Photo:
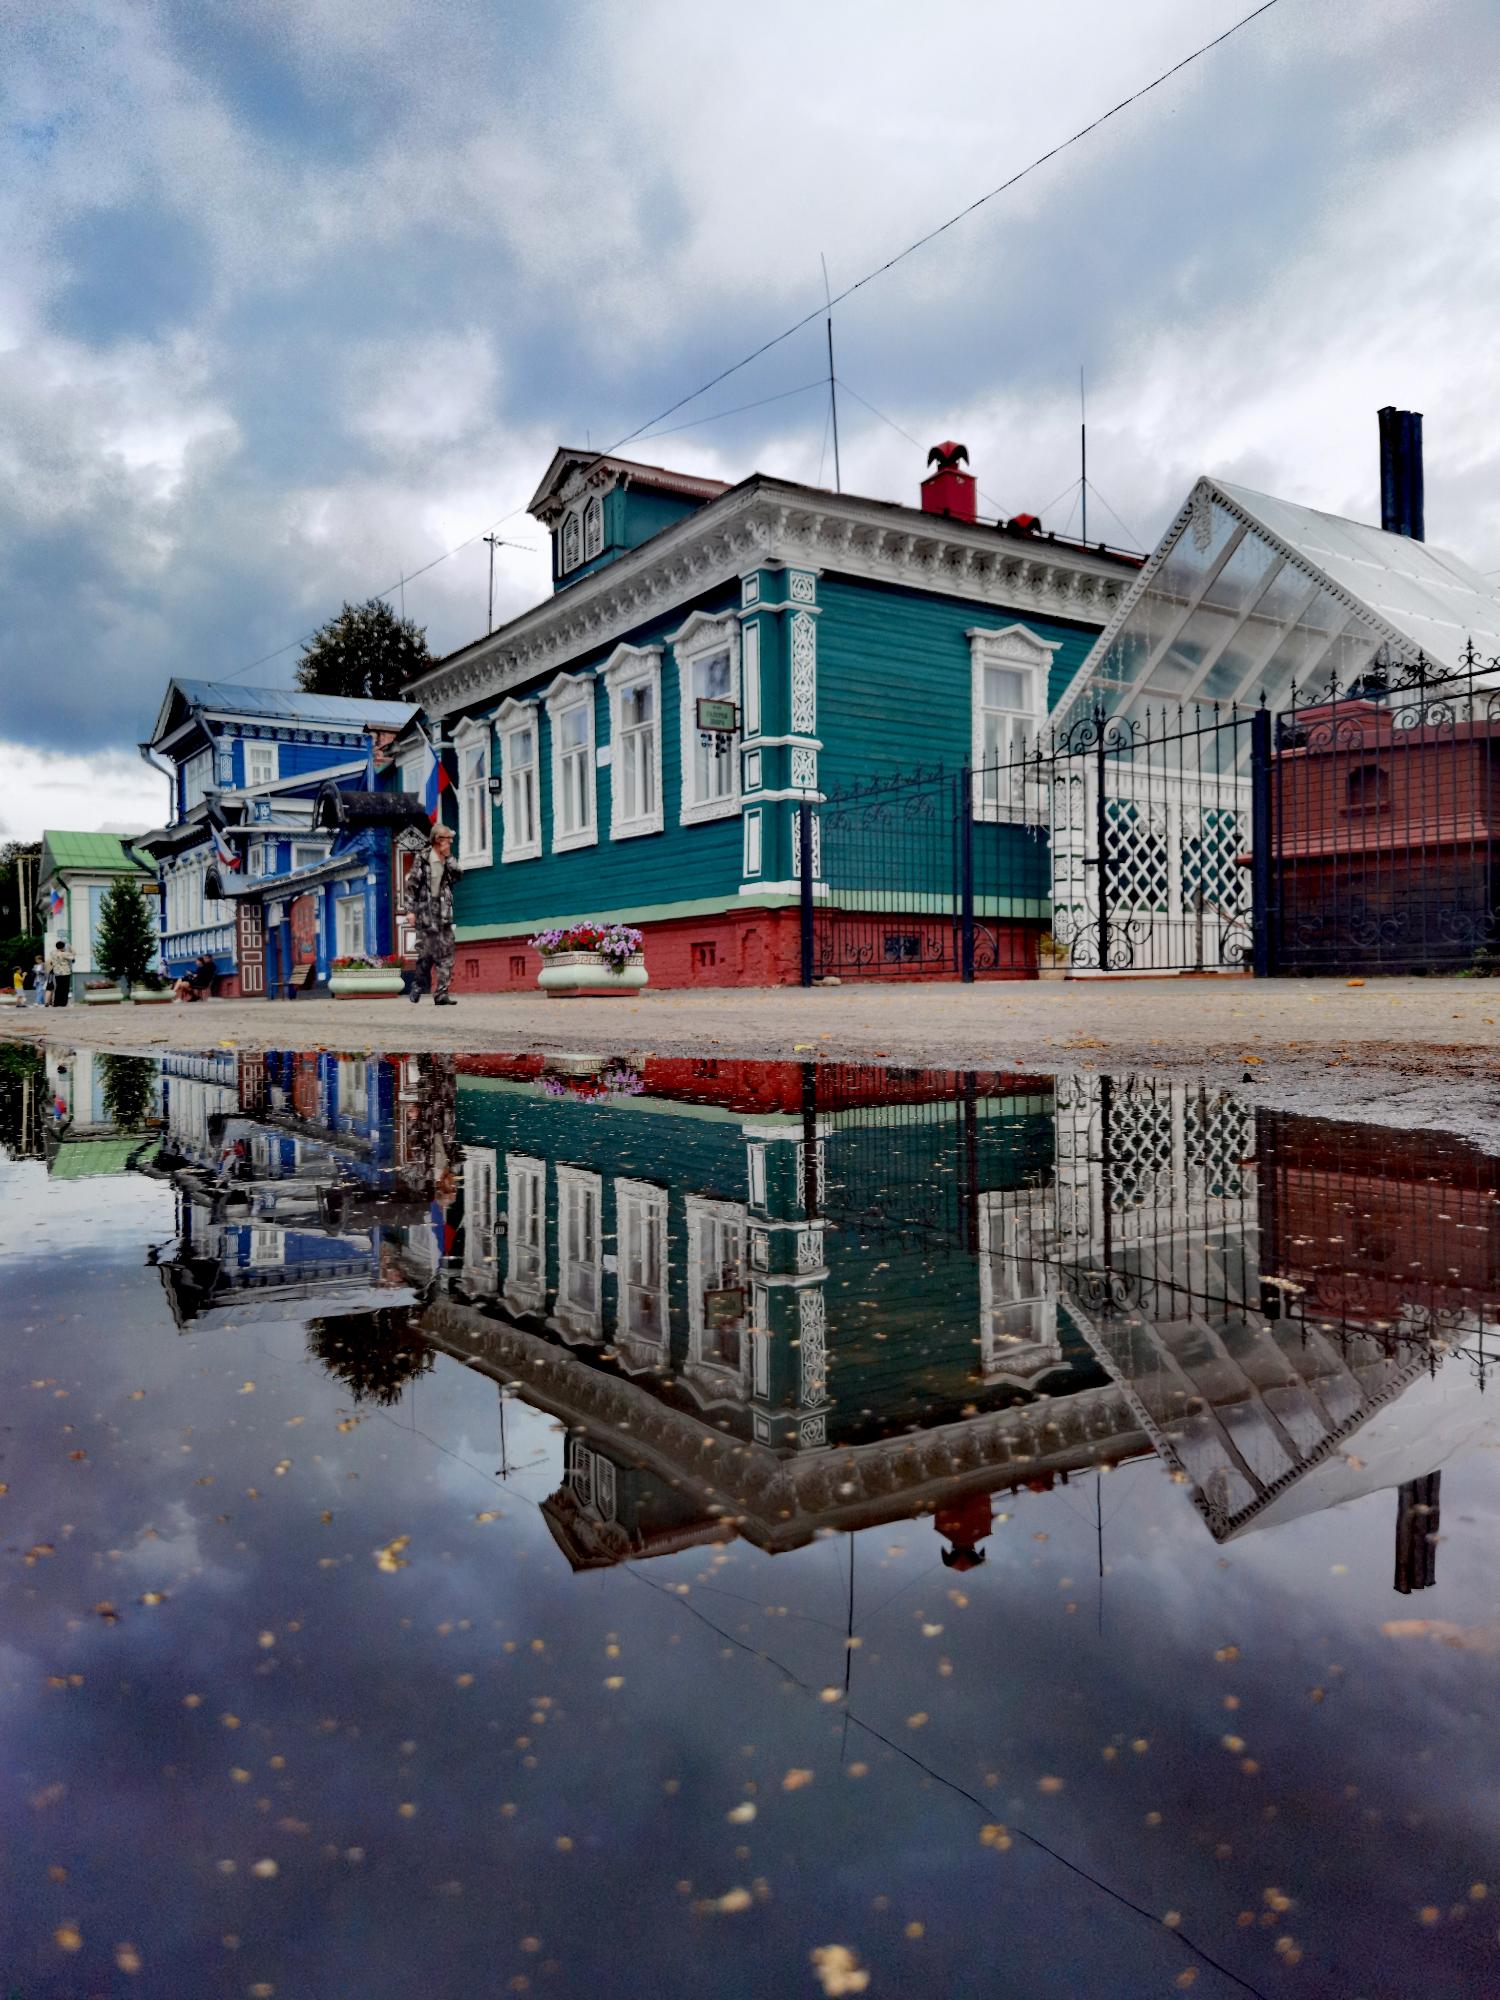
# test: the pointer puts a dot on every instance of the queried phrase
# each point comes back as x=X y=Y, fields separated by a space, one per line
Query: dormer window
x=593 y=529
x=569 y=542
x=262 y=764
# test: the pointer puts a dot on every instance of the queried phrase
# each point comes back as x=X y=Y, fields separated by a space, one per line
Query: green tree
x=374 y=1354
x=14 y=918
x=366 y=651
x=127 y=936
x=128 y=1088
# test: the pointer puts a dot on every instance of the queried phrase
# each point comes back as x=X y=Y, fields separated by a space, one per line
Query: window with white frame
x=1018 y=1336
x=707 y=651
x=580 y=1252
x=256 y=864
x=641 y=1227
x=570 y=709
x=718 y=1319
x=569 y=542
x=479 y=1218
x=307 y=854
x=197 y=777
x=1010 y=669
x=350 y=922
x=593 y=528
x=633 y=677
x=526 y=1231
x=262 y=763
x=521 y=819
x=472 y=741
x=265 y=1246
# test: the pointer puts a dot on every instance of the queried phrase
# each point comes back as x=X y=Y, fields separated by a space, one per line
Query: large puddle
x=740 y=1529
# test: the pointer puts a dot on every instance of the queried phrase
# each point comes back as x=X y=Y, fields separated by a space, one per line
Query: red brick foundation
x=750 y=947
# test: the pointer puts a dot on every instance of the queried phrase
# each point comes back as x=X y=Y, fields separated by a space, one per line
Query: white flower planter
x=374 y=982
x=570 y=975
x=146 y=996
x=566 y=1065
x=102 y=996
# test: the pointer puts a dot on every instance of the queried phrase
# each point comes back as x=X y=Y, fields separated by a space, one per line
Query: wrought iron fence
x=1355 y=830
x=1385 y=823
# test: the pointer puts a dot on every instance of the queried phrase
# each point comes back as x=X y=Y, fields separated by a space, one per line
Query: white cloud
x=96 y=794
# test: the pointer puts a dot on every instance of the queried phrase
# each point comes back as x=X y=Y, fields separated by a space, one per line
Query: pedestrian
x=429 y=903
x=60 y=967
x=36 y=981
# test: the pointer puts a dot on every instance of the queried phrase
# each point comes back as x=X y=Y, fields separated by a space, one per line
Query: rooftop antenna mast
x=489 y=623
x=1083 y=453
x=833 y=401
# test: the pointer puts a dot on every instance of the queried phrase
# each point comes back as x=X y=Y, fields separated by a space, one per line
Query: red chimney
x=947 y=490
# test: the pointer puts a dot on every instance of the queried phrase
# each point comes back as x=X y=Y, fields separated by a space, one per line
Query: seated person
x=199 y=983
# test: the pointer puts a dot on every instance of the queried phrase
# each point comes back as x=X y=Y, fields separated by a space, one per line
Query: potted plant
x=126 y=948
x=359 y=978
x=1052 y=958
x=102 y=993
x=154 y=990
x=589 y=959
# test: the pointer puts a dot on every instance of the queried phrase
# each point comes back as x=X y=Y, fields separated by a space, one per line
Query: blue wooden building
x=249 y=870
x=835 y=636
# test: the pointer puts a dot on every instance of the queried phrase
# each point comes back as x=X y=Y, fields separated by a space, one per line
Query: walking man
x=429 y=902
x=60 y=966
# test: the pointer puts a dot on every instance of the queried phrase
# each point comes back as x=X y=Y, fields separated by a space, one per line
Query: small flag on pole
x=226 y=855
x=57 y=903
x=435 y=781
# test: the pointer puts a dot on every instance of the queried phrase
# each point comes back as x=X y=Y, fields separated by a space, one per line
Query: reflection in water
x=772 y=1301
x=330 y=1372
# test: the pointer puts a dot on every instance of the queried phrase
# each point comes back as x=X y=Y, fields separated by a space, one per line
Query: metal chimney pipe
x=1403 y=497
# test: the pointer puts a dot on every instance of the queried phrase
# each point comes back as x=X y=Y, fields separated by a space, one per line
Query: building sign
x=305 y=929
x=717 y=718
x=250 y=948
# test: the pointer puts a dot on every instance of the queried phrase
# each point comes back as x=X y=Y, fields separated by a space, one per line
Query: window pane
x=1005 y=687
x=711 y=677
x=571 y=724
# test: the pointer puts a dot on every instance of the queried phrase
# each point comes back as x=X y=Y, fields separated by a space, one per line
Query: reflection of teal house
x=778 y=1286
x=636 y=745
x=246 y=873
x=76 y=872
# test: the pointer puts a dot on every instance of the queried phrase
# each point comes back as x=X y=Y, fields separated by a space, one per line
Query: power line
x=879 y=271
x=736 y=410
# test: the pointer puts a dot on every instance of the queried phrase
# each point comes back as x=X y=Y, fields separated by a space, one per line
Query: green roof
x=81 y=1159
x=86 y=850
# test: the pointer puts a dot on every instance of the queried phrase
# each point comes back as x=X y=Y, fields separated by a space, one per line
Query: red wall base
x=749 y=947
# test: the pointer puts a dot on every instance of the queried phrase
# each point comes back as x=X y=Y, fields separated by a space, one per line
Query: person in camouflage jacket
x=429 y=903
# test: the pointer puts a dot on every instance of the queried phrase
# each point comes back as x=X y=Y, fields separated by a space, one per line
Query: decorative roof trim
x=764 y=522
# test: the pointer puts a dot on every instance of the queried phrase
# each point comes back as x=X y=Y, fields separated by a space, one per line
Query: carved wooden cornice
x=766 y=524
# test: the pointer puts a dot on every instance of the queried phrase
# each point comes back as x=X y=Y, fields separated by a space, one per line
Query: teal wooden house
x=636 y=747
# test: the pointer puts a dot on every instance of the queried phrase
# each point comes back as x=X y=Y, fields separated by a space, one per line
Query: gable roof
x=98 y=851
x=1247 y=595
x=262 y=704
x=606 y=470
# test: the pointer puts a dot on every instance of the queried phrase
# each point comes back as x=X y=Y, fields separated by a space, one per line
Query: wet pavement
x=488 y=1524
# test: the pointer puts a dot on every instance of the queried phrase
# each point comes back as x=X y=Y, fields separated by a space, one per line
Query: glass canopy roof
x=1247 y=594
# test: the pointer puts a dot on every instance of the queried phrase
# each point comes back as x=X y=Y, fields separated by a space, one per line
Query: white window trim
x=572 y=518
x=710 y=1380
x=696 y=640
x=303 y=846
x=260 y=744
x=525 y=1179
x=591 y=543
x=343 y=947
x=632 y=666
x=642 y=1344
x=1011 y=1233
x=468 y=735
x=1018 y=649
x=572 y=1320
x=509 y=717
x=480 y=1183
x=567 y=692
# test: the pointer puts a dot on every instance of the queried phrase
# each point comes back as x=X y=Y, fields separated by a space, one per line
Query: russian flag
x=57 y=903
x=227 y=857
x=435 y=781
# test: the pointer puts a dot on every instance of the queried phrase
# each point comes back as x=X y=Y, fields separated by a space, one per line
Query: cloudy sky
x=297 y=297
